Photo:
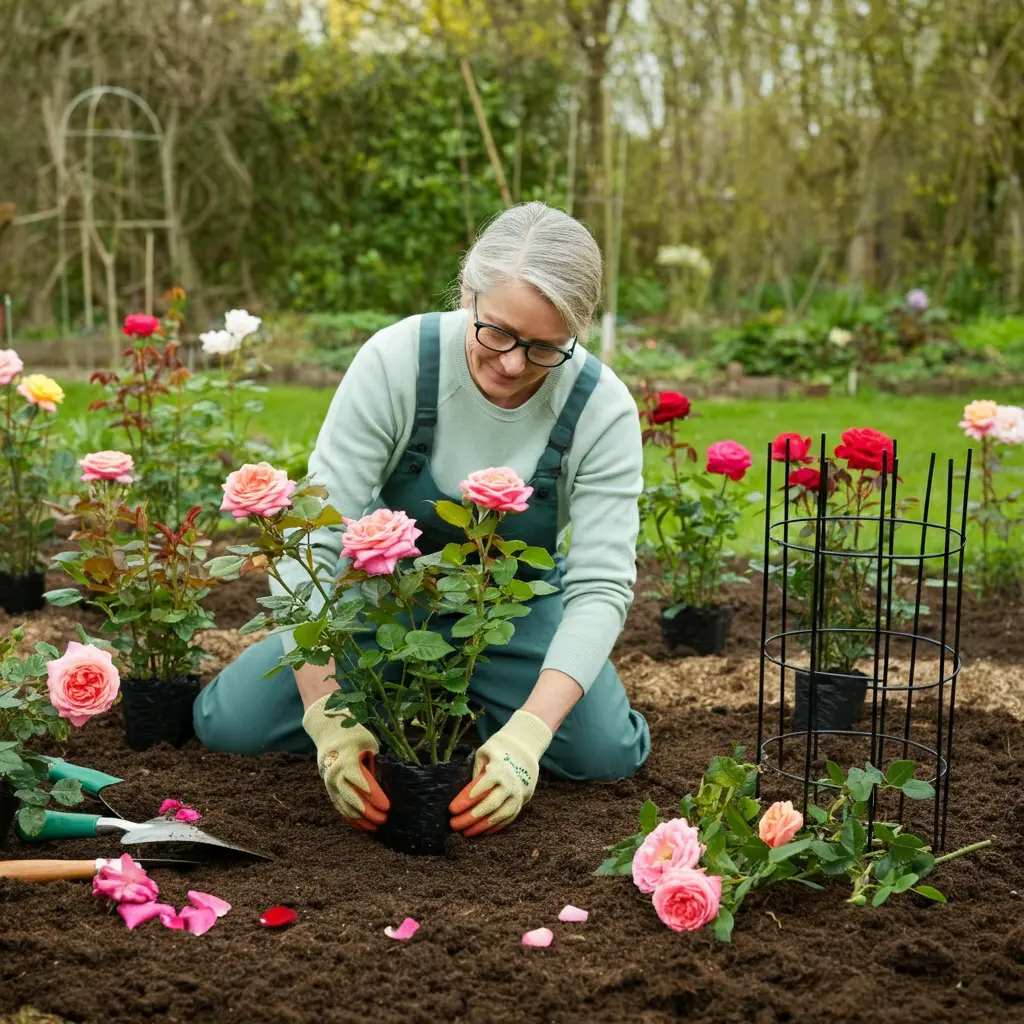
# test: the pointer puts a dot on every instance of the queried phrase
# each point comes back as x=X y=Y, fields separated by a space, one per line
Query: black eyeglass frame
x=518 y=342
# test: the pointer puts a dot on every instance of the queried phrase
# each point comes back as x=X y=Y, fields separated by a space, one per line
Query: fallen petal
x=277 y=917
x=187 y=814
x=406 y=930
x=198 y=919
x=573 y=914
x=134 y=914
x=538 y=937
x=170 y=918
x=204 y=901
x=169 y=805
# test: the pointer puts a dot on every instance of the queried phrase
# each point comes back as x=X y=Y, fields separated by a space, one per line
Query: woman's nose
x=513 y=362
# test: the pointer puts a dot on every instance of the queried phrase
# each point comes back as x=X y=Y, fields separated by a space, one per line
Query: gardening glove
x=504 y=776
x=344 y=756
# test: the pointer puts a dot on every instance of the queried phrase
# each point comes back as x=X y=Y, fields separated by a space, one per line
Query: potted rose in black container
x=148 y=580
x=408 y=627
x=687 y=520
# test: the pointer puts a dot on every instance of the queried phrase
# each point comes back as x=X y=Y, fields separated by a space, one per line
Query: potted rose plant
x=853 y=482
x=29 y=463
x=687 y=520
x=149 y=581
x=79 y=685
x=405 y=629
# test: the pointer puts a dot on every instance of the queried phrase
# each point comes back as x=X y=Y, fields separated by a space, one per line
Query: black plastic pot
x=419 y=821
x=22 y=592
x=157 y=712
x=8 y=807
x=838 y=700
x=704 y=630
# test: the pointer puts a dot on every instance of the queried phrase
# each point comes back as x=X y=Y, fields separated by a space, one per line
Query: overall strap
x=426 y=387
x=550 y=464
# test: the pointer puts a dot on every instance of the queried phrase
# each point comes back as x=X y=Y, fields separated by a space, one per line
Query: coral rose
x=864 y=448
x=806 y=477
x=671 y=406
x=10 y=366
x=140 y=325
x=82 y=683
x=798 y=449
x=107 y=465
x=376 y=542
x=41 y=390
x=673 y=844
x=729 y=458
x=257 y=490
x=687 y=899
x=124 y=881
x=1008 y=426
x=780 y=823
x=978 y=418
x=500 y=489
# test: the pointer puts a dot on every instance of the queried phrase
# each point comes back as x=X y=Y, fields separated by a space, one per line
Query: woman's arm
x=553 y=697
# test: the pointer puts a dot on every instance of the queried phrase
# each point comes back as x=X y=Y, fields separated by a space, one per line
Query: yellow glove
x=504 y=776
x=345 y=759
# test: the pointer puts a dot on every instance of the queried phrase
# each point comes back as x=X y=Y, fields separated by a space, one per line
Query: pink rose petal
x=187 y=814
x=198 y=919
x=169 y=805
x=573 y=914
x=204 y=901
x=406 y=930
x=134 y=914
x=170 y=918
x=538 y=937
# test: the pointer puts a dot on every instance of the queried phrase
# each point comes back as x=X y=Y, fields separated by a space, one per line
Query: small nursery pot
x=704 y=630
x=22 y=592
x=419 y=821
x=156 y=711
x=838 y=700
x=8 y=807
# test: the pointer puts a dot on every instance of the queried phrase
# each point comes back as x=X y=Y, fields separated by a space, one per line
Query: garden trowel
x=67 y=825
x=95 y=784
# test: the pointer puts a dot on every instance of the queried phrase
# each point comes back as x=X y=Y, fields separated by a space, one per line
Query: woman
x=502 y=381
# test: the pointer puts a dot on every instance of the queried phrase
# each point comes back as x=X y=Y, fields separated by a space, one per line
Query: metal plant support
x=912 y=703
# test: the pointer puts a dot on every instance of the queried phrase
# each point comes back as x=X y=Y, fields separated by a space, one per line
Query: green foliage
x=26 y=714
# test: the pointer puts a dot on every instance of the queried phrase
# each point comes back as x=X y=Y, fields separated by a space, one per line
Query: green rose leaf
x=835 y=773
x=520 y=590
x=423 y=645
x=307 y=634
x=369 y=658
x=226 y=567
x=507 y=611
x=881 y=896
x=375 y=589
x=501 y=632
x=67 y=792
x=538 y=558
x=737 y=822
x=648 y=817
x=454 y=514
x=905 y=882
x=453 y=554
x=541 y=588
x=62 y=598
x=725 y=772
x=450 y=584
x=257 y=622
x=929 y=893
x=859 y=785
x=344 y=699
x=391 y=636
x=781 y=853
x=853 y=837
x=817 y=814
x=510 y=547
x=468 y=625
x=31 y=819
x=899 y=772
x=504 y=570
x=32 y=797
x=724 y=925
x=917 y=789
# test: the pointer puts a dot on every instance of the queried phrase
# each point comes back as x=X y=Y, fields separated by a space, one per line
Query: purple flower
x=917 y=299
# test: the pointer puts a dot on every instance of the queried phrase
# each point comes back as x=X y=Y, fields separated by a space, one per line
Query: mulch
x=796 y=956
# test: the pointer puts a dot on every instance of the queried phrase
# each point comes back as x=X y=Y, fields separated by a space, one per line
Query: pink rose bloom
x=780 y=823
x=258 y=490
x=673 y=844
x=107 y=465
x=376 y=542
x=141 y=325
x=1008 y=425
x=730 y=459
x=500 y=489
x=687 y=899
x=10 y=366
x=124 y=881
x=82 y=683
x=978 y=418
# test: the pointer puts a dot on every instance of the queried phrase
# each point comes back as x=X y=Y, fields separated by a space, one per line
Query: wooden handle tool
x=55 y=870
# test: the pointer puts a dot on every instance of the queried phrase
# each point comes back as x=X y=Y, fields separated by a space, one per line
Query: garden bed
x=796 y=955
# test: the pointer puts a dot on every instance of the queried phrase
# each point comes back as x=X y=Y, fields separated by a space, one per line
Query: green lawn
x=920 y=425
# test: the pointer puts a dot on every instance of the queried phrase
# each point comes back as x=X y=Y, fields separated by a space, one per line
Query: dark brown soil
x=798 y=956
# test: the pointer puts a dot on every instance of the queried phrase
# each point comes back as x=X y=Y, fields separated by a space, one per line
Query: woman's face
x=508 y=378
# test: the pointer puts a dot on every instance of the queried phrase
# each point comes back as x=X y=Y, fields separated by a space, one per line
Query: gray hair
x=545 y=248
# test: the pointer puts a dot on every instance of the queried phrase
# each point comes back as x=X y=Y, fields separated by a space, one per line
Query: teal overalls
x=602 y=737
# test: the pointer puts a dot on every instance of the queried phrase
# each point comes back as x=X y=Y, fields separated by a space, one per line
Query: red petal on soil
x=277 y=917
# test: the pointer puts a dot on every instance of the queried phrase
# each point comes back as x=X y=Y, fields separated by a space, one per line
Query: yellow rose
x=41 y=390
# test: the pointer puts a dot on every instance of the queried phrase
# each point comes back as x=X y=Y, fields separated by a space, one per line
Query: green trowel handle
x=61 y=825
x=92 y=781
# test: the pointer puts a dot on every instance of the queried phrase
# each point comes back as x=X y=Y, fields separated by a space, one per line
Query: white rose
x=1008 y=426
x=839 y=337
x=219 y=343
x=239 y=323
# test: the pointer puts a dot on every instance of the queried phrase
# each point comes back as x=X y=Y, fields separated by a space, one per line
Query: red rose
x=730 y=459
x=806 y=477
x=798 y=448
x=141 y=325
x=671 y=406
x=863 y=448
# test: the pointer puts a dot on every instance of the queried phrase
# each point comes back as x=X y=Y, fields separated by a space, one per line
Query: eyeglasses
x=499 y=340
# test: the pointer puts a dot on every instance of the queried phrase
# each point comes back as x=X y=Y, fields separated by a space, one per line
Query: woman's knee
x=601 y=754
